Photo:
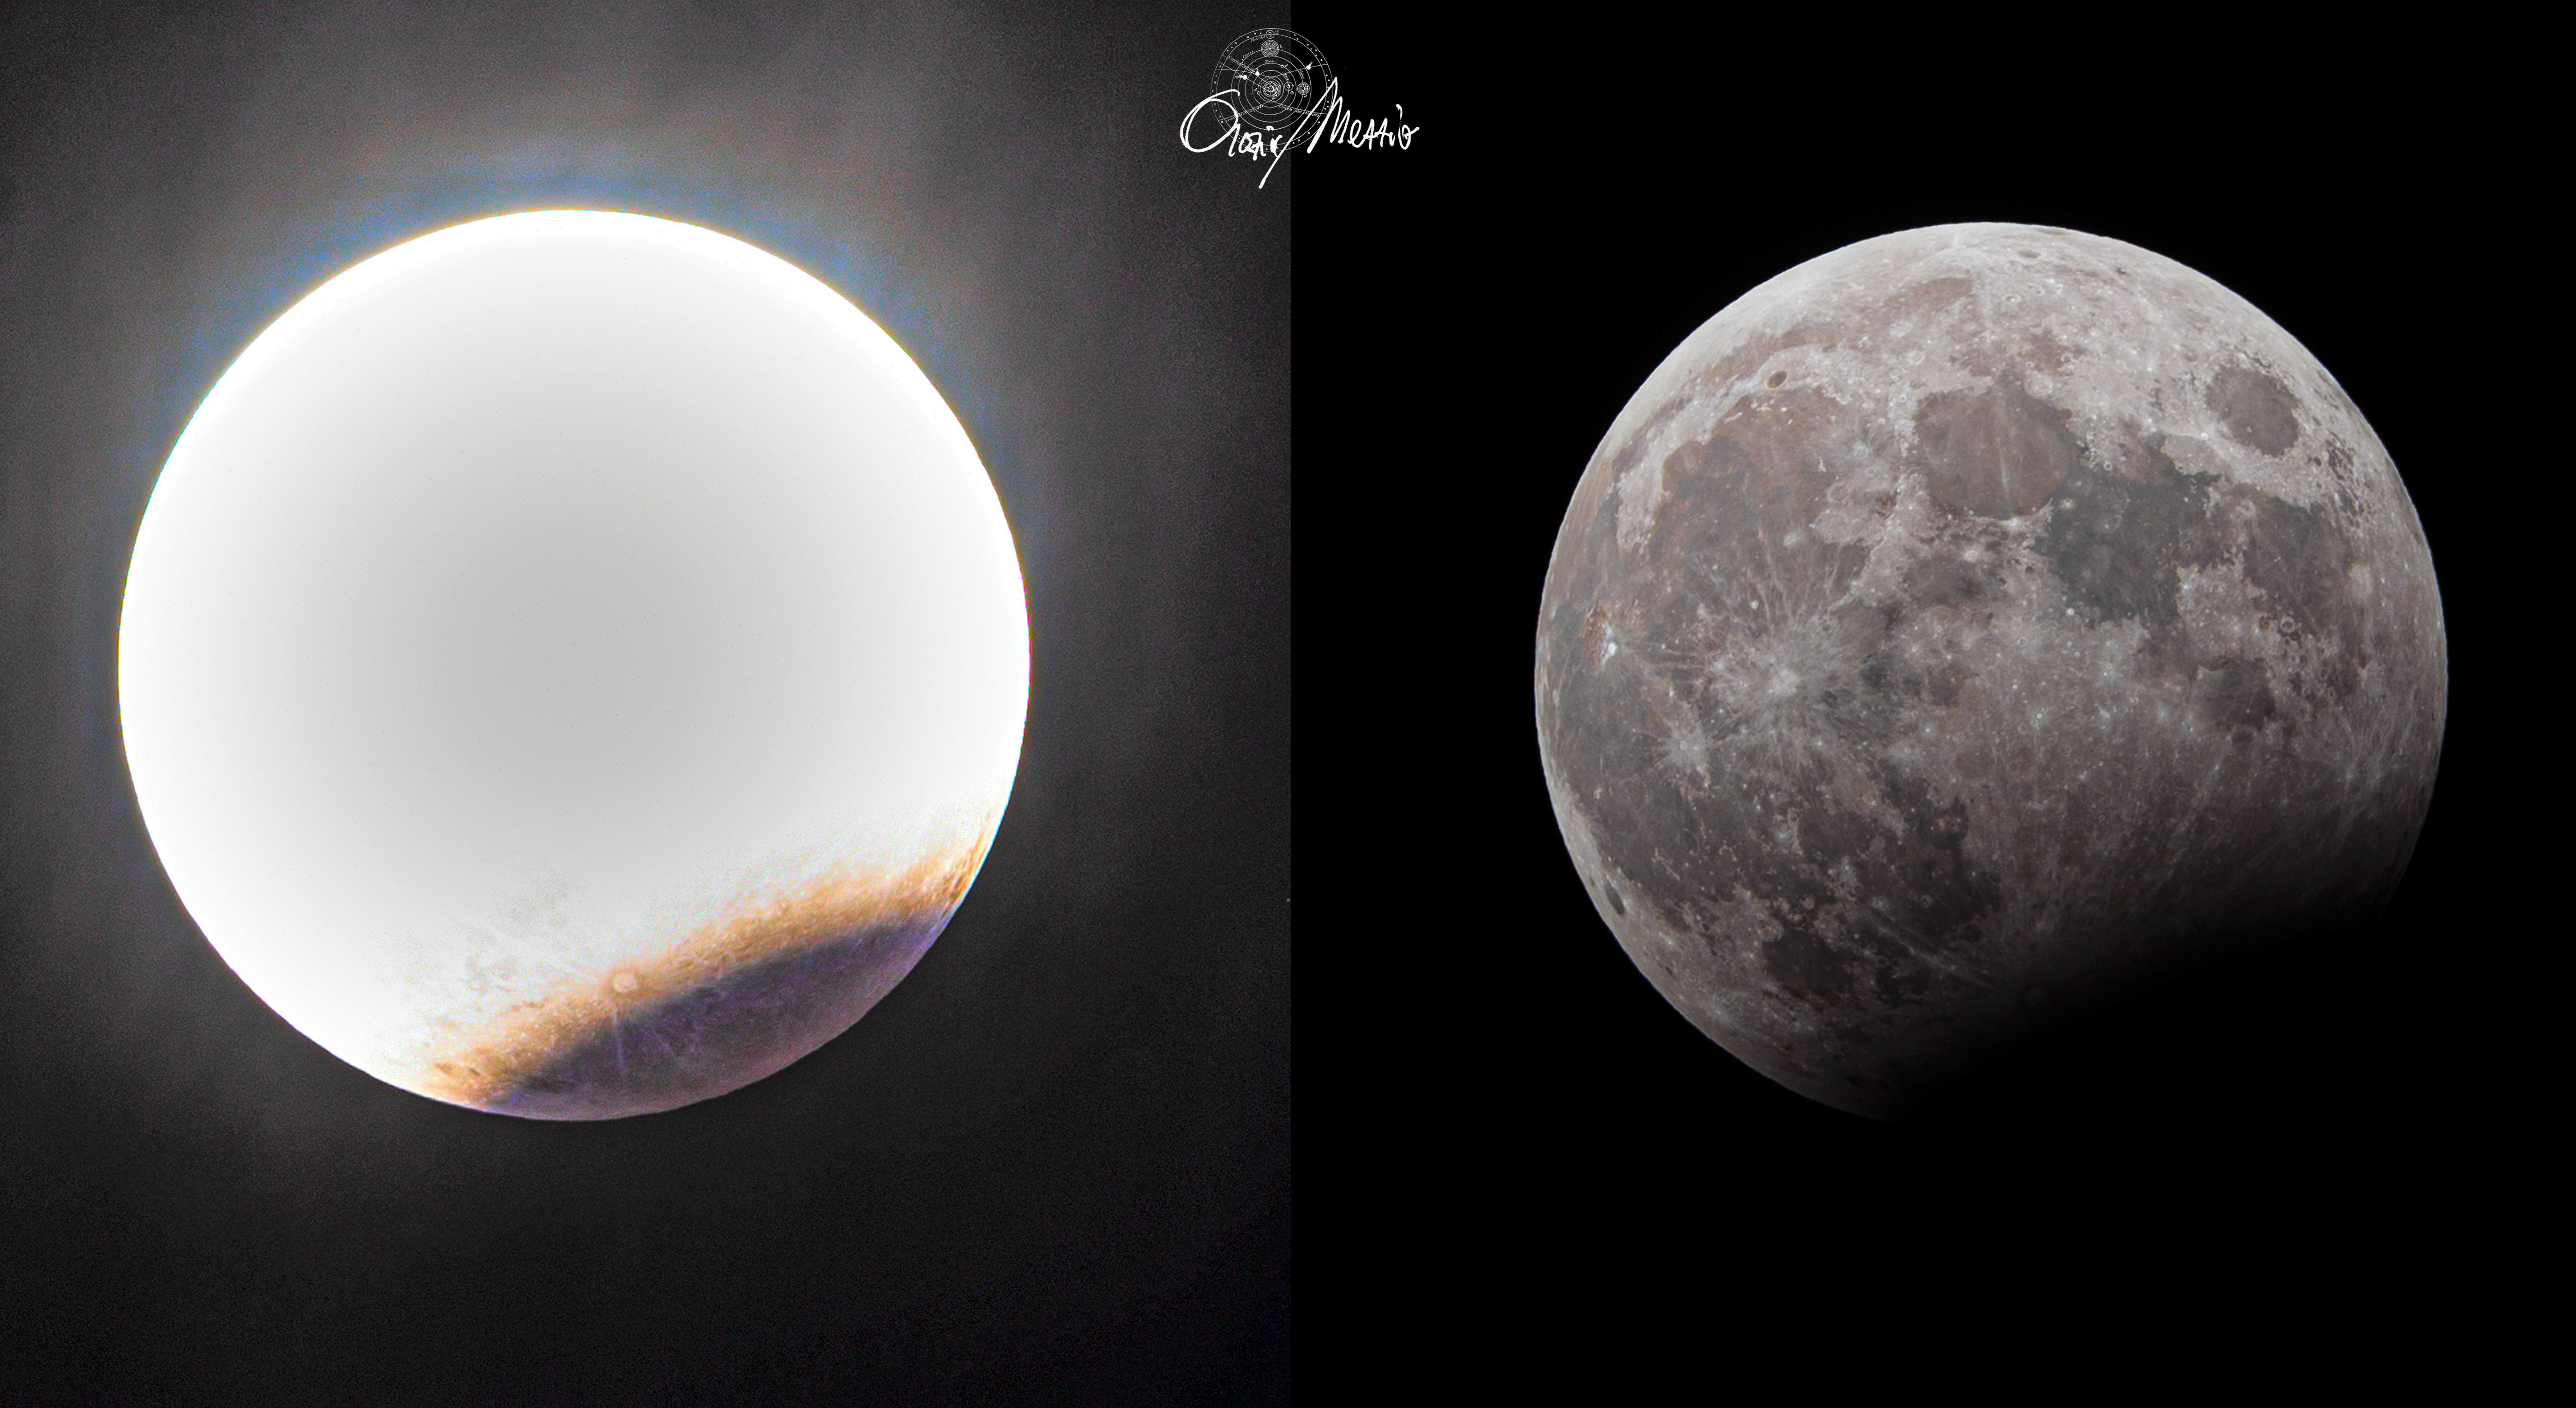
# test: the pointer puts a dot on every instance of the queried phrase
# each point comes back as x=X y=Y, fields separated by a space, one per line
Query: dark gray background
x=1053 y=1164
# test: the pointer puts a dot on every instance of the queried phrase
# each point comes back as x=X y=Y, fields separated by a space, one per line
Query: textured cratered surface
x=1967 y=627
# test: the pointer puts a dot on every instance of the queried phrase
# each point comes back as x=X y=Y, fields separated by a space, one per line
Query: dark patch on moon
x=1805 y=968
x=2119 y=544
x=2302 y=560
x=2234 y=693
x=1996 y=454
x=1947 y=581
x=1920 y=300
x=2256 y=409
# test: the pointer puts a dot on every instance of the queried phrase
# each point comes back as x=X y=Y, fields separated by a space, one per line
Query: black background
x=1053 y=1164
x=1586 y=1179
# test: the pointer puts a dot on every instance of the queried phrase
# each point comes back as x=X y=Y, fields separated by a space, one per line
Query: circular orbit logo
x=1276 y=75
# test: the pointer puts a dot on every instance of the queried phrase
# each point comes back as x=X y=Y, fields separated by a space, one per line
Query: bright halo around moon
x=573 y=664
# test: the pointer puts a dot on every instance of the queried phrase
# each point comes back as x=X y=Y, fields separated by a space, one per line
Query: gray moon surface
x=1968 y=629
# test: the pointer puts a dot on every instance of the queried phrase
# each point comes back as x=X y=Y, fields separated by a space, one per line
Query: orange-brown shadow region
x=726 y=1033
x=730 y=1004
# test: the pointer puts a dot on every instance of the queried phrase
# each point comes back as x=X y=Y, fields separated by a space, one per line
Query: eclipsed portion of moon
x=573 y=664
x=724 y=1006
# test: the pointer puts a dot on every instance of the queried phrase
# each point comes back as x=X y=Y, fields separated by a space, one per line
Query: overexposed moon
x=573 y=664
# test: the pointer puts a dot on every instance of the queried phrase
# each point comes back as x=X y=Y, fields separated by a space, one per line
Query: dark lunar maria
x=1971 y=627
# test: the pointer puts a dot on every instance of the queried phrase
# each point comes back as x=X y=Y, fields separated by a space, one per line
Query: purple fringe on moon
x=750 y=1023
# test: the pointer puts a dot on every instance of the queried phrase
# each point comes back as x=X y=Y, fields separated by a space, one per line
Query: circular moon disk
x=1968 y=628
x=573 y=664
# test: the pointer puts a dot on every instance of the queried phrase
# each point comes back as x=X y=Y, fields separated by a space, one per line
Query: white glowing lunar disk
x=573 y=664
